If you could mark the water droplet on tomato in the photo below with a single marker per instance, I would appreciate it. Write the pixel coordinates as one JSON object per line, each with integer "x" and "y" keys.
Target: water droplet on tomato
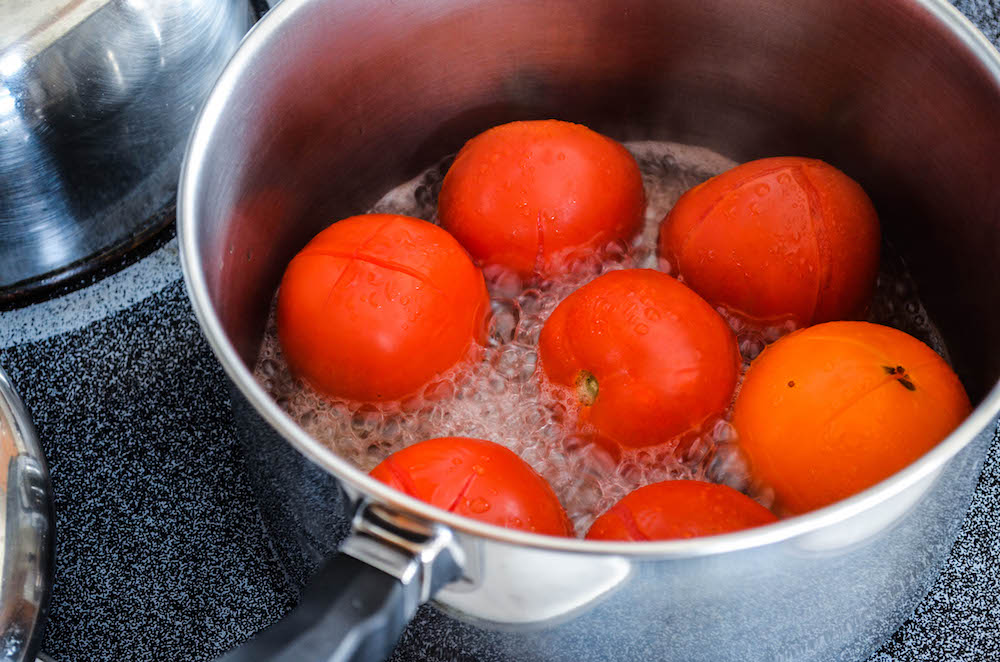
{"x": 479, "y": 505}
{"x": 763, "y": 190}
{"x": 652, "y": 314}
{"x": 641, "y": 329}
{"x": 478, "y": 468}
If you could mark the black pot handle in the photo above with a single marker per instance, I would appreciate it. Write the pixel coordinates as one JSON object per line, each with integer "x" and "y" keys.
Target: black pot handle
{"x": 356, "y": 607}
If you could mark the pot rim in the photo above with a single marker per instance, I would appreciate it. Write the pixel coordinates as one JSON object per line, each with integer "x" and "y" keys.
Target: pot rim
{"x": 209, "y": 117}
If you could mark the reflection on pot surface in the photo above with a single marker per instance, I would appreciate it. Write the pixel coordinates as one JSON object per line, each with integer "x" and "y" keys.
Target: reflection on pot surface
{"x": 26, "y": 530}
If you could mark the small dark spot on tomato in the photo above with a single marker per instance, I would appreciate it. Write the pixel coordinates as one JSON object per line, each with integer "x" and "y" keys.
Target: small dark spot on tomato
{"x": 791, "y": 384}
{"x": 907, "y": 384}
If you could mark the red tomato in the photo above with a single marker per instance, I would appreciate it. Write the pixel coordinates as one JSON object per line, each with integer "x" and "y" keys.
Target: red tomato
{"x": 478, "y": 479}
{"x": 647, "y": 358}
{"x": 534, "y": 196}
{"x": 679, "y": 509}
{"x": 833, "y": 409}
{"x": 776, "y": 239}
{"x": 376, "y": 306}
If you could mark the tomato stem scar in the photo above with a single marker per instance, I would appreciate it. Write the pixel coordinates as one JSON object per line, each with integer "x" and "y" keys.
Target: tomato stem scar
{"x": 901, "y": 376}
{"x": 586, "y": 387}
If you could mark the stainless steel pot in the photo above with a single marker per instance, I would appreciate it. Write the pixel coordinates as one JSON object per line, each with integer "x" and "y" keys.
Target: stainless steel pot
{"x": 26, "y": 530}
{"x": 327, "y": 105}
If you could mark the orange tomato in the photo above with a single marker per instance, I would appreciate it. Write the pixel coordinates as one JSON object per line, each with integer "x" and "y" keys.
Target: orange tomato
{"x": 777, "y": 239}
{"x": 679, "y": 509}
{"x": 376, "y": 306}
{"x": 830, "y": 410}
{"x": 647, "y": 358}
{"x": 478, "y": 479}
{"x": 534, "y": 196}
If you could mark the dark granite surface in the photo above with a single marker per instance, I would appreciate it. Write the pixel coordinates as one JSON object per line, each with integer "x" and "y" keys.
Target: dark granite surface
{"x": 160, "y": 552}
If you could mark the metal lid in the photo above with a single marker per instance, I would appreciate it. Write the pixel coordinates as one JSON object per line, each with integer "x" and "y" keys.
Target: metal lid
{"x": 39, "y": 23}
{"x": 96, "y": 101}
{"x": 26, "y": 528}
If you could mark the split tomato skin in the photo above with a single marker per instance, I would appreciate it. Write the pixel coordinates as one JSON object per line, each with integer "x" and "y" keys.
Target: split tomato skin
{"x": 646, "y": 358}
{"x": 777, "y": 239}
{"x": 677, "y": 509}
{"x": 376, "y": 306}
{"x": 478, "y": 479}
{"x": 533, "y": 197}
{"x": 831, "y": 410}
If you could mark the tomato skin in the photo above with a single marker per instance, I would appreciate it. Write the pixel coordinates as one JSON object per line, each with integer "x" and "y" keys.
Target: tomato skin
{"x": 534, "y": 196}
{"x": 663, "y": 360}
{"x": 823, "y": 413}
{"x": 376, "y": 306}
{"x": 677, "y": 509}
{"x": 777, "y": 239}
{"x": 478, "y": 479}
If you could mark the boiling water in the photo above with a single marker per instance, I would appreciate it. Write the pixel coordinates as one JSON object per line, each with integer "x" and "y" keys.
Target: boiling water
{"x": 500, "y": 398}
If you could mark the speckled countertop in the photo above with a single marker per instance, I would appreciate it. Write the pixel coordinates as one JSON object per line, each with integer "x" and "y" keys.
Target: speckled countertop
{"x": 160, "y": 552}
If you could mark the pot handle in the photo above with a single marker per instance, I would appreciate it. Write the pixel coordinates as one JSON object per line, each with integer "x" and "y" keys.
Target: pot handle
{"x": 357, "y": 605}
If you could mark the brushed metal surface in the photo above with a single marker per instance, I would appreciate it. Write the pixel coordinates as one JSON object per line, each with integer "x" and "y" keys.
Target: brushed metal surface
{"x": 96, "y": 102}
{"x": 338, "y": 103}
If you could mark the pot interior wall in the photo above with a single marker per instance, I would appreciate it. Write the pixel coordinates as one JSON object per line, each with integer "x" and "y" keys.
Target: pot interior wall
{"x": 356, "y": 97}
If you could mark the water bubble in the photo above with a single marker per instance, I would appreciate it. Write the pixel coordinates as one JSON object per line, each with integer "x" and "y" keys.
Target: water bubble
{"x": 501, "y": 282}
{"x": 723, "y": 432}
{"x": 751, "y": 347}
{"x": 616, "y": 251}
{"x": 527, "y": 334}
{"x": 530, "y": 301}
